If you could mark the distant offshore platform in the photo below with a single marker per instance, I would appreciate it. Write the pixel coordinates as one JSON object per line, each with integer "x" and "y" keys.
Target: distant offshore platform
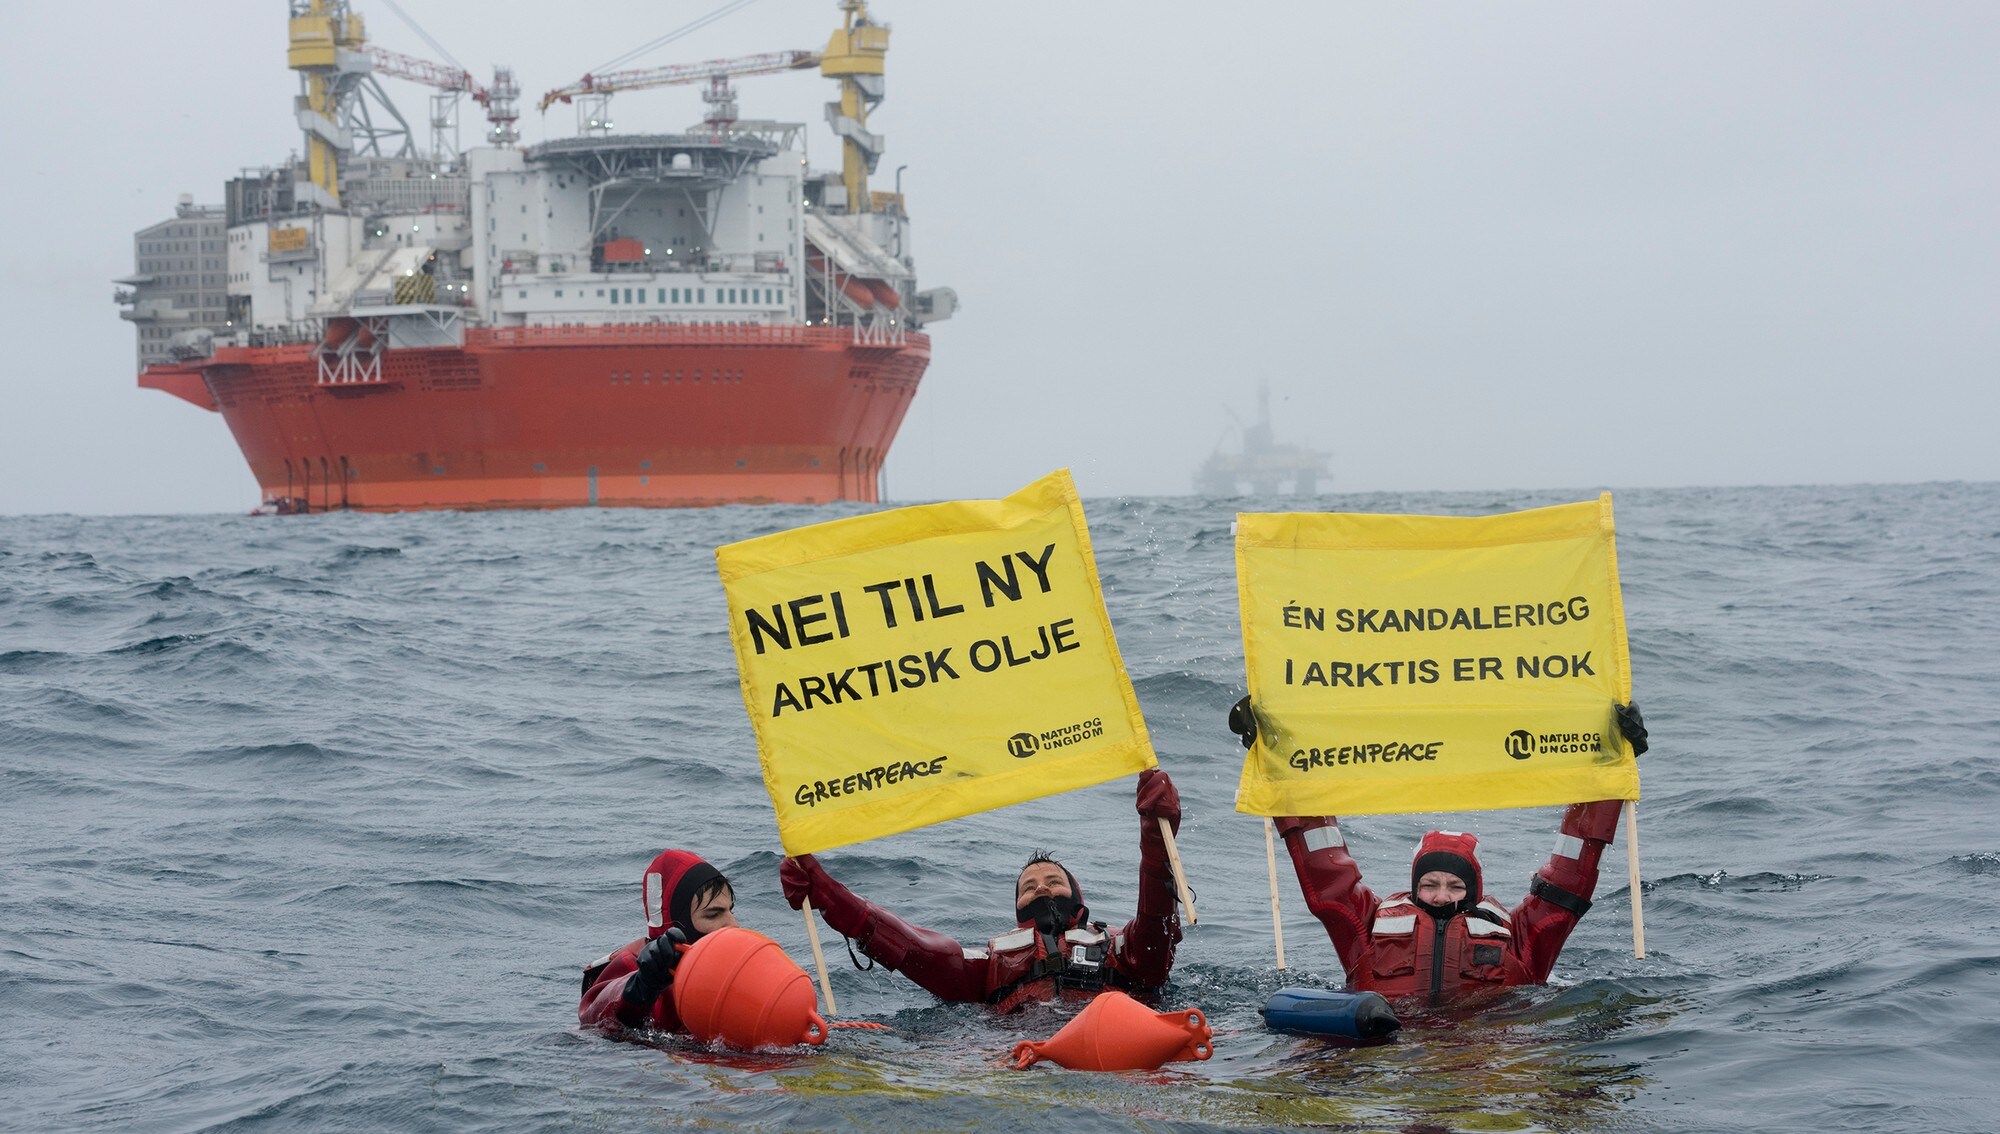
{"x": 1262, "y": 467}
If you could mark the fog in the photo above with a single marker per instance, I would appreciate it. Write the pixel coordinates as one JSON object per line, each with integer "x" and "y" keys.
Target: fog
{"x": 1487, "y": 247}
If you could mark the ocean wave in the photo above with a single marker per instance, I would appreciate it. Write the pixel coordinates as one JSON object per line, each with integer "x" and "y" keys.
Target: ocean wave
{"x": 356, "y": 554}
{"x": 29, "y": 661}
{"x": 268, "y": 777}
{"x": 1982, "y": 863}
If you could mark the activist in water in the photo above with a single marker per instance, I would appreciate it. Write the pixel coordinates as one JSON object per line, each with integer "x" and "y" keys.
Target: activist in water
{"x": 1054, "y": 949}
{"x": 1444, "y": 936}
{"x": 684, "y": 898}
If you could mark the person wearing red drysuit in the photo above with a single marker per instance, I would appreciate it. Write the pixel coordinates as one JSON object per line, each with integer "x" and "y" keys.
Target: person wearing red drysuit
{"x": 684, "y": 898}
{"x": 1444, "y": 937}
{"x": 1054, "y": 949}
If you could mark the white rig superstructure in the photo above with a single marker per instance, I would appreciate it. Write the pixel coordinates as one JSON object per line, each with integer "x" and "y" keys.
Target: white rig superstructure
{"x": 722, "y": 223}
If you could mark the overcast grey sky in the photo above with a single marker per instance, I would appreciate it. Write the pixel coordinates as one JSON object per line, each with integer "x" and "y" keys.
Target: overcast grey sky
{"x": 1493, "y": 246}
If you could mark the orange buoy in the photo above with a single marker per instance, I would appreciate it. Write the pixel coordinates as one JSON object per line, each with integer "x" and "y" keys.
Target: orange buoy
{"x": 739, "y": 987}
{"x": 1117, "y": 1033}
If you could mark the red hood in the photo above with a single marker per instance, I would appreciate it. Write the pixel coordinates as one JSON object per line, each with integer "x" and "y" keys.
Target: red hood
{"x": 1455, "y": 852}
{"x": 669, "y": 887}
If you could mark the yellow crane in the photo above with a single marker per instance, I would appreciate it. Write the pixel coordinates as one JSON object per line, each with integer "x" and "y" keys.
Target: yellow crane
{"x": 854, "y": 56}
{"x": 321, "y": 32}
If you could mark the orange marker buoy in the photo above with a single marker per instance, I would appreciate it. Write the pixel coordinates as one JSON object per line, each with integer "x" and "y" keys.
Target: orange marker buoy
{"x": 1117, "y": 1033}
{"x": 739, "y": 987}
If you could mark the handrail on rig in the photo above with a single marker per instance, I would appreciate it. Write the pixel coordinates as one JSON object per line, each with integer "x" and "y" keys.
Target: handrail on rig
{"x": 747, "y": 334}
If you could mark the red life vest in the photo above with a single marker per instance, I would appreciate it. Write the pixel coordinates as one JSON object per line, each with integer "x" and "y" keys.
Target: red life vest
{"x": 1409, "y": 956}
{"x": 1025, "y": 966}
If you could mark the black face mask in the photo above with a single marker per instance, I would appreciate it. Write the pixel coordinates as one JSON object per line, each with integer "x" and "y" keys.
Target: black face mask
{"x": 1051, "y": 913}
{"x": 1442, "y": 913}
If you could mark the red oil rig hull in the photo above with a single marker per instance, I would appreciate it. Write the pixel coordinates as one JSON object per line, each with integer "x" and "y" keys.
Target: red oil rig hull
{"x": 556, "y": 417}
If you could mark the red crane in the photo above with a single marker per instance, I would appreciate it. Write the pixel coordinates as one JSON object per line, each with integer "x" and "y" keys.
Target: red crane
{"x": 718, "y": 72}
{"x": 500, "y": 100}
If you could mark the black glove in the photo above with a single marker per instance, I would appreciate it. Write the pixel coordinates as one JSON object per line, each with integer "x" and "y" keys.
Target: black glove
{"x": 1243, "y": 722}
{"x": 1632, "y": 725}
{"x": 656, "y": 969}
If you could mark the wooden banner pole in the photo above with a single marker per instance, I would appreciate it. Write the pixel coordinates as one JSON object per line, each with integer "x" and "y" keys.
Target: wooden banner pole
{"x": 1271, "y": 860}
{"x": 1180, "y": 878}
{"x": 1632, "y": 868}
{"x": 819, "y": 958}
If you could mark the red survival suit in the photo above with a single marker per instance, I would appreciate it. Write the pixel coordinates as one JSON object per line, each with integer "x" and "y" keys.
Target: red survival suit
{"x": 669, "y": 888}
{"x": 1398, "y": 948}
{"x": 1028, "y": 963}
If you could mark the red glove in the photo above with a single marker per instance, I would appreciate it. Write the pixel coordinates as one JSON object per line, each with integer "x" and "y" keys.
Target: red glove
{"x": 1596, "y": 821}
{"x": 799, "y": 876}
{"x": 1286, "y": 824}
{"x": 1158, "y": 799}
{"x": 805, "y": 880}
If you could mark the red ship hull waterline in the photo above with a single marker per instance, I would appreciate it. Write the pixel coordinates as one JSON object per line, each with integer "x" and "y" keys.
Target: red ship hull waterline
{"x": 557, "y": 417}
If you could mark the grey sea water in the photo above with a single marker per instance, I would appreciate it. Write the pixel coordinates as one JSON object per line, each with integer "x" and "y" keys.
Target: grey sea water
{"x": 308, "y": 823}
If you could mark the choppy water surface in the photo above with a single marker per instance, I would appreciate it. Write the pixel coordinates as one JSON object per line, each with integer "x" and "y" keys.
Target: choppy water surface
{"x": 310, "y": 822}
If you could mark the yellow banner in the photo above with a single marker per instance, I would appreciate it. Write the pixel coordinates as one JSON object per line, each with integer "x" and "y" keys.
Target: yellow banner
{"x": 1433, "y": 663}
{"x": 917, "y": 665}
{"x": 287, "y": 240}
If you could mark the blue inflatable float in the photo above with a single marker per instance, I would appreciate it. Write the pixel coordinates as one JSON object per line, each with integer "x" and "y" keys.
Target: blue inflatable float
{"x": 1357, "y": 1017}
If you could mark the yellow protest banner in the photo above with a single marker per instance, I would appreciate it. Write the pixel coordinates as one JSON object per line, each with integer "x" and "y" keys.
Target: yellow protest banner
{"x": 1433, "y": 663}
{"x": 917, "y": 665}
